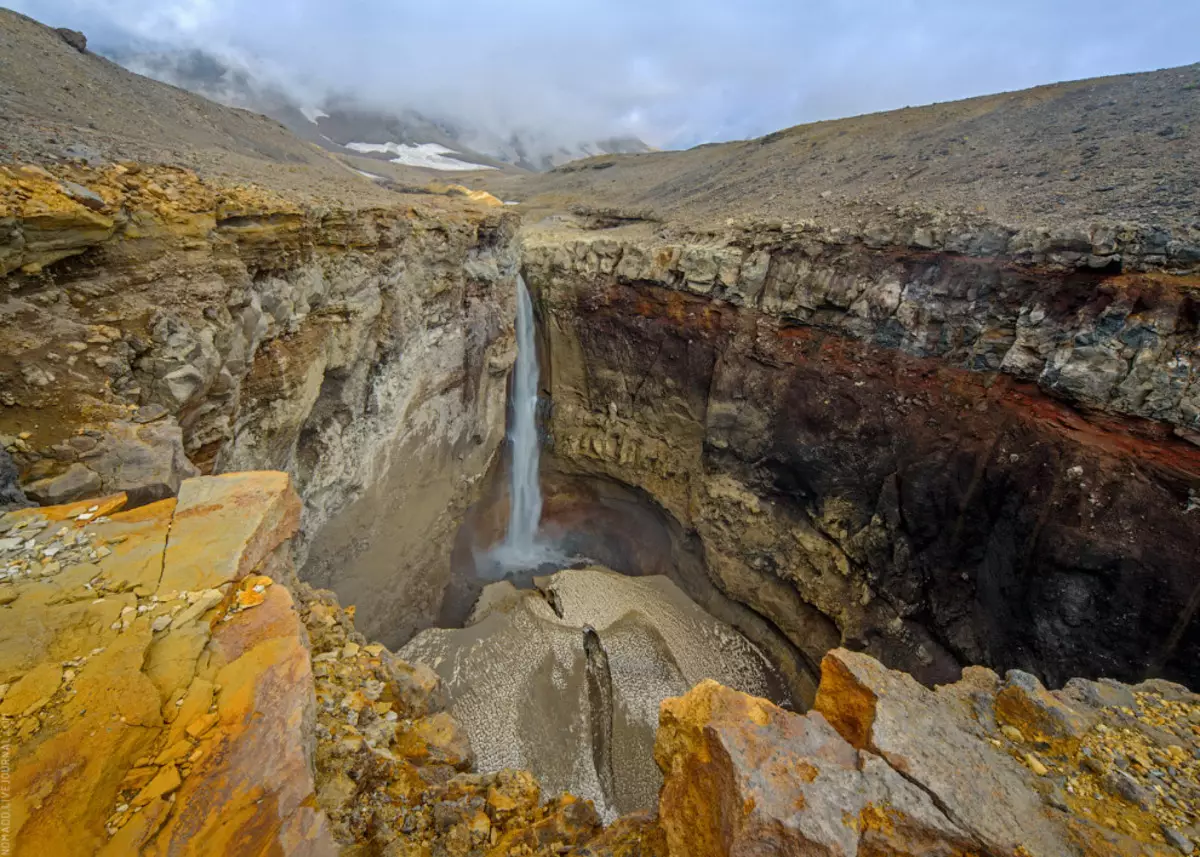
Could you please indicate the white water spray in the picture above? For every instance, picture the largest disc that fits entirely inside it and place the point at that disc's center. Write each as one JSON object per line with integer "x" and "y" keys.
{"x": 521, "y": 549}
{"x": 525, "y": 492}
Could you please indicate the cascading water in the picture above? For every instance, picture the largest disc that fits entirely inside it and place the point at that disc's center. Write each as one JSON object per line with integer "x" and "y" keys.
{"x": 521, "y": 549}
{"x": 526, "y": 493}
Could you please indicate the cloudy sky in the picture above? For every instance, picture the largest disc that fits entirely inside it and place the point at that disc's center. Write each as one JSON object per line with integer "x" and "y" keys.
{"x": 674, "y": 72}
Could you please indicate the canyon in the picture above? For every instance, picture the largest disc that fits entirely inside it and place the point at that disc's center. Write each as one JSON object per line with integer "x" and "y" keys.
{"x": 931, "y": 459}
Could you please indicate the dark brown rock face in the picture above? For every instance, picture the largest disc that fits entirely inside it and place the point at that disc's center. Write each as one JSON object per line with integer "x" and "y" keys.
{"x": 940, "y": 458}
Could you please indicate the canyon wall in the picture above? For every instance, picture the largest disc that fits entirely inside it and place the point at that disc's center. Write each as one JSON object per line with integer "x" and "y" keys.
{"x": 154, "y": 325}
{"x": 944, "y": 443}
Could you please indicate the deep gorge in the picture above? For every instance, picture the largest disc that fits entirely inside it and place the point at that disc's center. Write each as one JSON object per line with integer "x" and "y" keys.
{"x": 869, "y": 481}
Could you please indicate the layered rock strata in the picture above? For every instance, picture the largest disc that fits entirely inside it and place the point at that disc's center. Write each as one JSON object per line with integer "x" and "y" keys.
{"x": 939, "y": 440}
{"x": 153, "y": 323}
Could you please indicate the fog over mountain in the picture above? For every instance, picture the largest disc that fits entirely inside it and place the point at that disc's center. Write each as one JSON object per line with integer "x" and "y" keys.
{"x": 669, "y": 72}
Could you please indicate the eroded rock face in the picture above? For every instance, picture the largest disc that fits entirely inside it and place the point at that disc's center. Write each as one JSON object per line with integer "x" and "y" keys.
{"x": 153, "y": 321}
{"x": 941, "y": 449}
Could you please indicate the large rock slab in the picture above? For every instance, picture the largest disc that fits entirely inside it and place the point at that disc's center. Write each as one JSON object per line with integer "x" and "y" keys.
{"x": 1097, "y": 769}
{"x": 225, "y": 526}
{"x": 148, "y": 719}
{"x": 744, "y": 777}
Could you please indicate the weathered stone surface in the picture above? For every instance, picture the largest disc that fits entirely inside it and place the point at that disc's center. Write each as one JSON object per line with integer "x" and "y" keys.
{"x": 147, "y": 461}
{"x": 1015, "y": 766}
{"x": 225, "y": 526}
{"x": 252, "y": 788}
{"x": 75, "y": 483}
{"x": 11, "y": 495}
{"x": 743, "y": 777}
{"x": 122, "y": 720}
{"x": 983, "y": 790}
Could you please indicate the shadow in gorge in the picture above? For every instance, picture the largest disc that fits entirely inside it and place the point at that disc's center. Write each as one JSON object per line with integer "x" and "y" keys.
{"x": 595, "y": 520}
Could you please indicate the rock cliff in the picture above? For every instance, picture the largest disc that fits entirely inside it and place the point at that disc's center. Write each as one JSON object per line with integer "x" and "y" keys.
{"x": 938, "y": 440}
{"x": 155, "y": 325}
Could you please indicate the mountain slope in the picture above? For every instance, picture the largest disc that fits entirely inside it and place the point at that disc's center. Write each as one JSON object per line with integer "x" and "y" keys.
{"x": 336, "y": 121}
{"x": 1124, "y": 147}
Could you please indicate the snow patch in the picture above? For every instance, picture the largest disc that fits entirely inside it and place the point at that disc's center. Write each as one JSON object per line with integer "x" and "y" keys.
{"x": 312, "y": 114}
{"x": 430, "y": 156}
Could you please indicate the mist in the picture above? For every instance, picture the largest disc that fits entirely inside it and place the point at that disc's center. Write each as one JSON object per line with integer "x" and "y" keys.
{"x": 673, "y": 73}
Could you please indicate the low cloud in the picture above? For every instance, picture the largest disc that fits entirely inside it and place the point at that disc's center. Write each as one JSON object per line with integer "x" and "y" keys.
{"x": 674, "y": 73}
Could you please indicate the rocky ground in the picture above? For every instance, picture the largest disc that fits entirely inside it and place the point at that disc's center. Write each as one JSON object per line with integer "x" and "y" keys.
{"x": 900, "y": 385}
{"x": 1117, "y": 148}
{"x": 169, "y": 687}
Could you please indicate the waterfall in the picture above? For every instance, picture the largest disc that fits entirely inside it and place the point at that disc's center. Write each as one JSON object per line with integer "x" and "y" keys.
{"x": 522, "y": 550}
{"x": 525, "y": 493}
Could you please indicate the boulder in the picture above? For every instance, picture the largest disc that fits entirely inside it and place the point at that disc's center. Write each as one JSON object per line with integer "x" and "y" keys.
{"x": 75, "y": 483}
{"x": 11, "y": 495}
{"x": 744, "y": 777}
{"x": 147, "y": 462}
{"x": 74, "y": 38}
{"x": 934, "y": 743}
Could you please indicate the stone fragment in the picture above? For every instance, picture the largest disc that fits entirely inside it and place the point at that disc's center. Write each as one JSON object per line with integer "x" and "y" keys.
{"x": 11, "y": 495}
{"x": 77, "y": 482}
{"x": 1127, "y": 788}
{"x": 146, "y": 461}
{"x": 174, "y": 753}
{"x": 200, "y": 726}
{"x": 1178, "y": 841}
{"x": 74, "y": 38}
{"x": 205, "y": 601}
{"x": 37, "y": 685}
{"x": 1013, "y": 734}
{"x": 437, "y": 738}
{"x": 84, "y": 196}
{"x": 165, "y": 781}
{"x": 1025, "y": 704}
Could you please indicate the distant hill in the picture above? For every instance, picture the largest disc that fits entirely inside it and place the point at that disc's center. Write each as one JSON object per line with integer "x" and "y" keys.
{"x": 337, "y": 122}
{"x": 1116, "y": 148}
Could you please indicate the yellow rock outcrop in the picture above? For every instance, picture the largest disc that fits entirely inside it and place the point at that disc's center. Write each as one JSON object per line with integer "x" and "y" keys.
{"x": 151, "y": 711}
